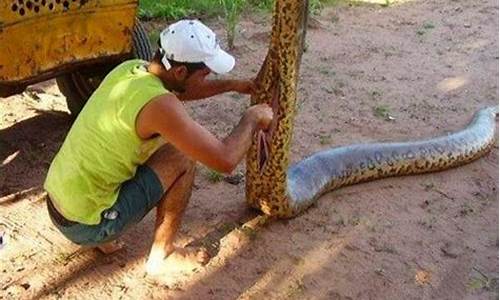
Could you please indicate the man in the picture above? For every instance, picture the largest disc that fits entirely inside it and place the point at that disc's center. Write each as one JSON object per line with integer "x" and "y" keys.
{"x": 112, "y": 168}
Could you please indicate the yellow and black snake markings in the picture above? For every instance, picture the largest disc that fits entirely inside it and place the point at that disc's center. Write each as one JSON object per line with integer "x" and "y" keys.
{"x": 278, "y": 190}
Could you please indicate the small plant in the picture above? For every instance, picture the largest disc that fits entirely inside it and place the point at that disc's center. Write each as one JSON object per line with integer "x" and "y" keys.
{"x": 483, "y": 282}
{"x": 232, "y": 12}
{"x": 325, "y": 139}
{"x": 381, "y": 111}
{"x": 315, "y": 7}
{"x": 426, "y": 27}
{"x": 386, "y": 3}
{"x": 214, "y": 176}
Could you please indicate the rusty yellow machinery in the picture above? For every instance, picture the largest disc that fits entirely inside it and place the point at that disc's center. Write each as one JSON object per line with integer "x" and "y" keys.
{"x": 75, "y": 41}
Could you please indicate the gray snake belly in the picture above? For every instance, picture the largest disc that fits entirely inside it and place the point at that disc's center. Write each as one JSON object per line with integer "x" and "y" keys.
{"x": 338, "y": 167}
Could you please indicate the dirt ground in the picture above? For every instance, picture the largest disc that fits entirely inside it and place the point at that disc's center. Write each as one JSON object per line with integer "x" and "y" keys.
{"x": 413, "y": 70}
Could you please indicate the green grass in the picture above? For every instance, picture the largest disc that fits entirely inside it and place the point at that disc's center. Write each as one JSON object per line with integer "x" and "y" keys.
{"x": 229, "y": 10}
{"x": 426, "y": 27}
{"x": 325, "y": 139}
{"x": 214, "y": 176}
{"x": 177, "y": 9}
{"x": 387, "y": 3}
{"x": 381, "y": 111}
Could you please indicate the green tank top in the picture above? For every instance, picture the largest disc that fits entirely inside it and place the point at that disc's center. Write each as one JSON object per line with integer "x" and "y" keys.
{"x": 102, "y": 149}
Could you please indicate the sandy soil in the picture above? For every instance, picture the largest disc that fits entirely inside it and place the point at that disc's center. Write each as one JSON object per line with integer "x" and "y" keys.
{"x": 427, "y": 64}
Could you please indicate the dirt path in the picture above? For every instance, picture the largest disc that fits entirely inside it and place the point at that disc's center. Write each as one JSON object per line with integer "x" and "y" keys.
{"x": 427, "y": 64}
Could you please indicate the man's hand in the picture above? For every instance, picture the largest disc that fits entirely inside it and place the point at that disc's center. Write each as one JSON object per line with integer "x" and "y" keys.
{"x": 262, "y": 114}
{"x": 244, "y": 87}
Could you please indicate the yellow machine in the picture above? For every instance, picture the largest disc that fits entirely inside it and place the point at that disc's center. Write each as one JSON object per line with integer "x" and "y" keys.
{"x": 76, "y": 41}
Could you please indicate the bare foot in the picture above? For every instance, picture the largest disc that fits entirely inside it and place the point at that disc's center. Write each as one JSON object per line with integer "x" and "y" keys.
{"x": 182, "y": 259}
{"x": 111, "y": 247}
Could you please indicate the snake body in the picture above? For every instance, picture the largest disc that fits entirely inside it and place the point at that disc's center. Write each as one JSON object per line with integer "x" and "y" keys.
{"x": 277, "y": 189}
{"x": 338, "y": 167}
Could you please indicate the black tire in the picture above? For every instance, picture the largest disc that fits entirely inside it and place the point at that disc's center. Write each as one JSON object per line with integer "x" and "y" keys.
{"x": 79, "y": 85}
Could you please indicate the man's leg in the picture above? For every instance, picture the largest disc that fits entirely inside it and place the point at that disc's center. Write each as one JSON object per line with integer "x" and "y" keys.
{"x": 176, "y": 173}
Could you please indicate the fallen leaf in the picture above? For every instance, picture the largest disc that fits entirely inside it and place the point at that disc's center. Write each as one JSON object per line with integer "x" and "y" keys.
{"x": 422, "y": 277}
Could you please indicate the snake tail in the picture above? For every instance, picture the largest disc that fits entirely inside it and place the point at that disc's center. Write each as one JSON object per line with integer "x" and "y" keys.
{"x": 338, "y": 167}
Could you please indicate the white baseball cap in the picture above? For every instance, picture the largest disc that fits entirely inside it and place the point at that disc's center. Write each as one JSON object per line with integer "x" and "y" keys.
{"x": 193, "y": 42}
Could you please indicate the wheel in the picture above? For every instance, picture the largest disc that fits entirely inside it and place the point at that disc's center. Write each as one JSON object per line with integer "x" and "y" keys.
{"x": 79, "y": 85}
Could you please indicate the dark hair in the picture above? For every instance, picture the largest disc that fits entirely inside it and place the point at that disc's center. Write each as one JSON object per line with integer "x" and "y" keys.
{"x": 191, "y": 67}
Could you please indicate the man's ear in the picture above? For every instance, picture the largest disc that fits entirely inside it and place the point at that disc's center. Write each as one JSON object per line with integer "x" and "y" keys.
{"x": 206, "y": 71}
{"x": 180, "y": 72}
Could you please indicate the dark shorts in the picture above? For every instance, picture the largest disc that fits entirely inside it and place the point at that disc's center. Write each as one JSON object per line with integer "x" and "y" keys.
{"x": 137, "y": 197}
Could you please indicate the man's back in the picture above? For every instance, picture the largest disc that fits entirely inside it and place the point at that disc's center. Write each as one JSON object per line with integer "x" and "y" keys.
{"x": 102, "y": 149}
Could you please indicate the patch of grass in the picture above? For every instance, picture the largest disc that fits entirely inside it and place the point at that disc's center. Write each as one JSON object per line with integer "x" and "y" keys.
{"x": 387, "y": 3}
{"x": 177, "y": 9}
{"x": 381, "y": 111}
{"x": 326, "y": 70}
{"x": 236, "y": 96}
{"x": 325, "y": 139}
{"x": 483, "y": 282}
{"x": 428, "y": 25}
{"x": 315, "y": 6}
{"x": 425, "y": 28}
{"x": 214, "y": 176}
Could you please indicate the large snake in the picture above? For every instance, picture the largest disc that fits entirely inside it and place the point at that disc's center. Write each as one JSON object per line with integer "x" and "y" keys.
{"x": 278, "y": 190}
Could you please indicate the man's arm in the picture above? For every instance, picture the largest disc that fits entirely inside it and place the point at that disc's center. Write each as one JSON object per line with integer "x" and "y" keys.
{"x": 197, "y": 87}
{"x": 166, "y": 116}
{"x": 211, "y": 88}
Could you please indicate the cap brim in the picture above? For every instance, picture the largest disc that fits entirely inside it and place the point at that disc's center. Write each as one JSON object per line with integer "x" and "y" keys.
{"x": 221, "y": 63}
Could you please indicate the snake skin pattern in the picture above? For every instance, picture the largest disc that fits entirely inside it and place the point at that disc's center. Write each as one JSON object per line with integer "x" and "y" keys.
{"x": 338, "y": 167}
{"x": 280, "y": 191}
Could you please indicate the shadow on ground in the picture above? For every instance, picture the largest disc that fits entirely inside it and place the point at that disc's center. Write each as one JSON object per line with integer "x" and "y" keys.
{"x": 27, "y": 148}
